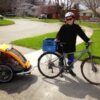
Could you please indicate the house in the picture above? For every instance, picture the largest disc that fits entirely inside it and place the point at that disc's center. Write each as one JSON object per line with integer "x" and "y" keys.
{"x": 27, "y": 9}
{"x": 50, "y": 10}
{"x": 19, "y": 7}
{"x": 53, "y": 12}
{"x": 87, "y": 14}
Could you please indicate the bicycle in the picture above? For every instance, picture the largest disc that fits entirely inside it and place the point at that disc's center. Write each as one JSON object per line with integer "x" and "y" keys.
{"x": 48, "y": 65}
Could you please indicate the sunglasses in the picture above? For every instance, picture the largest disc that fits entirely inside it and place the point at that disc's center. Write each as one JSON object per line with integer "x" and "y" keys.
{"x": 69, "y": 19}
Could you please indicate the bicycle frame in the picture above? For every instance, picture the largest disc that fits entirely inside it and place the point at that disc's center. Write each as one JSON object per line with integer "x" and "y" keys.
{"x": 83, "y": 52}
{"x": 53, "y": 64}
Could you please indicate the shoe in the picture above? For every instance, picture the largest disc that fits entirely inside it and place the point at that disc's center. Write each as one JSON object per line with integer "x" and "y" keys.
{"x": 72, "y": 73}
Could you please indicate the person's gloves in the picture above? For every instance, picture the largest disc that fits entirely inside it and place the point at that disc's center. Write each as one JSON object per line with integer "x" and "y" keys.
{"x": 88, "y": 43}
{"x": 57, "y": 40}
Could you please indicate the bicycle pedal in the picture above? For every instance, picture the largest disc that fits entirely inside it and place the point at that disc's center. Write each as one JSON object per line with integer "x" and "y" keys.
{"x": 67, "y": 71}
{"x": 61, "y": 75}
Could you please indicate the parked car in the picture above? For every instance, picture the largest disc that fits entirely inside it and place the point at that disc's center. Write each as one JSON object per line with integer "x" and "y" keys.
{"x": 1, "y": 17}
{"x": 12, "y": 62}
{"x": 42, "y": 16}
{"x": 9, "y": 14}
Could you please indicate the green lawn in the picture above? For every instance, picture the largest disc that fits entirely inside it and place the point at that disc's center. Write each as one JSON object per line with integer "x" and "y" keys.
{"x": 89, "y": 24}
{"x": 21, "y": 17}
{"x": 6, "y": 22}
{"x": 46, "y": 20}
{"x": 34, "y": 42}
{"x": 37, "y": 19}
{"x": 95, "y": 47}
{"x": 92, "y": 25}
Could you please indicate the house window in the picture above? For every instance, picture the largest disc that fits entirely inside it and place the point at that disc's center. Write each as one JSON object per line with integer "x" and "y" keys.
{"x": 84, "y": 14}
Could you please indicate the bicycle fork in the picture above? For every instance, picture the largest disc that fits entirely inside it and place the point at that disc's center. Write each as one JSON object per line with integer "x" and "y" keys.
{"x": 94, "y": 69}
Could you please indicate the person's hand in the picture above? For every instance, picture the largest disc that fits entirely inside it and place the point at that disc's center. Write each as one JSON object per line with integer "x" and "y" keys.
{"x": 88, "y": 43}
{"x": 56, "y": 40}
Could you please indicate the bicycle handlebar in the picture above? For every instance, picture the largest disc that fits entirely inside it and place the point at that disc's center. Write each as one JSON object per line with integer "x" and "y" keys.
{"x": 88, "y": 44}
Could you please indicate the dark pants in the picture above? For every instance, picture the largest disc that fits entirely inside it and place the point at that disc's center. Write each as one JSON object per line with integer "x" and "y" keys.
{"x": 70, "y": 56}
{"x": 70, "y": 59}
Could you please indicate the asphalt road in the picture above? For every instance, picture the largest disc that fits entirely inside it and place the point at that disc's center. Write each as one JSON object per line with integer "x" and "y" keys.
{"x": 25, "y": 28}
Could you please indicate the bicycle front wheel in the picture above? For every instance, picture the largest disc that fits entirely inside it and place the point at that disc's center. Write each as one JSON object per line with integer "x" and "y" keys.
{"x": 90, "y": 69}
{"x": 48, "y": 65}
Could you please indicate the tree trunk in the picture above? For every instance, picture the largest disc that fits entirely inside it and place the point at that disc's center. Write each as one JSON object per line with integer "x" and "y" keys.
{"x": 96, "y": 13}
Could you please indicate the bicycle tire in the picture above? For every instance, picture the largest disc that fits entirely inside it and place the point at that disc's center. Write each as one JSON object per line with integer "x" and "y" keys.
{"x": 91, "y": 71}
{"x": 6, "y": 73}
{"x": 51, "y": 64}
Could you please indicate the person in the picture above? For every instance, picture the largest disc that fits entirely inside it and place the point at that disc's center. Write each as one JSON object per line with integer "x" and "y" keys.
{"x": 67, "y": 35}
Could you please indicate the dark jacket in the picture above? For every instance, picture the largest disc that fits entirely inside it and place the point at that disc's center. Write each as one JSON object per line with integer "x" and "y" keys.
{"x": 68, "y": 34}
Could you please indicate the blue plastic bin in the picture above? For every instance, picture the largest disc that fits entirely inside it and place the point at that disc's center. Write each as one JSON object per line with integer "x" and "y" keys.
{"x": 49, "y": 45}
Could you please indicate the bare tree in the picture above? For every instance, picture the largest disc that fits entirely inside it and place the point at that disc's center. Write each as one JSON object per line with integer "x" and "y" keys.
{"x": 9, "y": 5}
{"x": 5, "y": 5}
{"x": 69, "y": 4}
{"x": 64, "y": 5}
{"x": 93, "y": 5}
{"x": 14, "y": 6}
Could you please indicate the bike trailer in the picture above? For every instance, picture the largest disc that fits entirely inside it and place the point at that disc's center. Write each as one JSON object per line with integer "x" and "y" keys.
{"x": 12, "y": 62}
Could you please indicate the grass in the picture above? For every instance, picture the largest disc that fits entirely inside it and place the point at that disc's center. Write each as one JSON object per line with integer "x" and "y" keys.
{"x": 89, "y": 24}
{"x": 92, "y": 25}
{"x": 46, "y": 20}
{"x": 34, "y": 42}
{"x": 21, "y": 17}
{"x": 6, "y": 22}
{"x": 36, "y": 19}
{"x": 95, "y": 47}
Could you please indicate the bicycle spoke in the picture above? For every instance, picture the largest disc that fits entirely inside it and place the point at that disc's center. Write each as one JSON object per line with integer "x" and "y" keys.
{"x": 49, "y": 65}
{"x": 91, "y": 70}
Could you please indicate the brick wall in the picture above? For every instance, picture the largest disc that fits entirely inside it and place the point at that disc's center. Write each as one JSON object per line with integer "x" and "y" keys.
{"x": 85, "y": 17}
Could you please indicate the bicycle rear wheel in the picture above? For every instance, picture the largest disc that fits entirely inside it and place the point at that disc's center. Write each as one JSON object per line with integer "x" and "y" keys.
{"x": 90, "y": 69}
{"x": 48, "y": 65}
